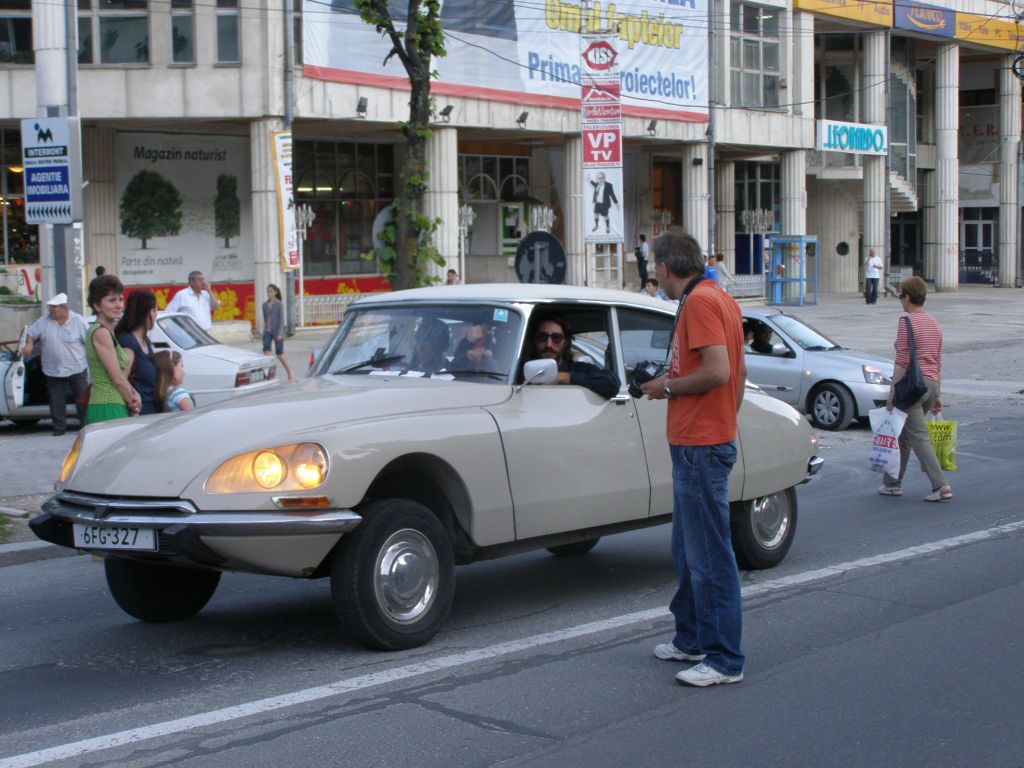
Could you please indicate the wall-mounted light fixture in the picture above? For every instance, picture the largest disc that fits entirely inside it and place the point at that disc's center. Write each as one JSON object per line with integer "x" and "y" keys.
{"x": 521, "y": 120}
{"x": 446, "y": 113}
{"x": 652, "y": 128}
{"x": 361, "y": 106}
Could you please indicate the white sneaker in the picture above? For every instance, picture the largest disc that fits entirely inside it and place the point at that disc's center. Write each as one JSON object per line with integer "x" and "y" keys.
{"x": 669, "y": 652}
{"x": 702, "y": 676}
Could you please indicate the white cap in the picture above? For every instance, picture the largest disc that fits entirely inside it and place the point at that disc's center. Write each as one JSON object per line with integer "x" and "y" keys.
{"x": 56, "y": 301}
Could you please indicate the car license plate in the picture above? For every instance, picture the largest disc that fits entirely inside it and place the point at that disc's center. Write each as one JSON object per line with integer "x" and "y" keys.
{"x": 257, "y": 374}
{"x": 114, "y": 537}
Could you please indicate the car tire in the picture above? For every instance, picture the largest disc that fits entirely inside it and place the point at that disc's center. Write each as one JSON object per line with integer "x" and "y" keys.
{"x": 157, "y": 593}
{"x": 763, "y": 529}
{"x": 25, "y": 422}
{"x": 575, "y": 549}
{"x": 393, "y": 577}
{"x": 831, "y": 407}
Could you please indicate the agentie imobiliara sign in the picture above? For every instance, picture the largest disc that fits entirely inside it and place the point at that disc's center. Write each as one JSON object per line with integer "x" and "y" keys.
{"x": 855, "y": 138}
{"x": 52, "y": 157}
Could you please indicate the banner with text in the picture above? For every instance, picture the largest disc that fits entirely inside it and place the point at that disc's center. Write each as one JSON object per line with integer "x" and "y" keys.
{"x": 286, "y": 224}
{"x": 601, "y": 123}
{"x": 519, "y": 52}
{"x": 184, "y": 203}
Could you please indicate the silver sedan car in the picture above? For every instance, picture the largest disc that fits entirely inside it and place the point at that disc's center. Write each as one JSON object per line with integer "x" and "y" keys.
{"x": 799, "y": 365}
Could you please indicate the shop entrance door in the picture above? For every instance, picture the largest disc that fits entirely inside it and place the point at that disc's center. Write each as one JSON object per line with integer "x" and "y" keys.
{"x": 977, "y": 255}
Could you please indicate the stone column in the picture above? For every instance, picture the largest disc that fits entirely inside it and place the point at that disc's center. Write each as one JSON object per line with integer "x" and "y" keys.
{"x": 947, "y": 173}
{"x": 873, "y": 111}
{"x": 722, "y": 21}
{"x": 794, "y": 198}
{"x": 266, "y": 238}
{"x": 441, "y": 200}
{"x": 1009, "y": 144}
{"x": 725, "y": 213}
{"x": 101, "y": 203}
{"x": 801, "y": 89}
{"x": 574, "y": 207}
{"x": 695, "y": 193}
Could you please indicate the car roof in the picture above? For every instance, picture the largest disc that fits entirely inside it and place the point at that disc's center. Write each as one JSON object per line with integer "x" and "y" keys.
{"x": 519, "y": 292}
{"x": 760, "y": 312}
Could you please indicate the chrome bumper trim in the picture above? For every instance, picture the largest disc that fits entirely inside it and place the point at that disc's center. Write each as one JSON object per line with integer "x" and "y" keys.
{"x": 814, "y": 466}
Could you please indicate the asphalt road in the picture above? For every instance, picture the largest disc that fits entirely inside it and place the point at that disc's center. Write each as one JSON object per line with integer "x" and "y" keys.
{"x": 865, "y": 648}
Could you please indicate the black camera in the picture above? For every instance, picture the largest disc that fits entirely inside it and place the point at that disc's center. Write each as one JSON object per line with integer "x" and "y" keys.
{"x": 641, "y": 373}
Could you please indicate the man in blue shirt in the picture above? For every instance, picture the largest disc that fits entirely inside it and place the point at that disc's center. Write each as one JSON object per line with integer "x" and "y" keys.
{"x": 62, "y": 334}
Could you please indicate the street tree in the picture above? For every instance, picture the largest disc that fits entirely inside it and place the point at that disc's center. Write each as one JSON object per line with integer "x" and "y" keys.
{"x": 227, "y": 209}
{"x": 408, "y": 239}
{"x": 150, "y": 207}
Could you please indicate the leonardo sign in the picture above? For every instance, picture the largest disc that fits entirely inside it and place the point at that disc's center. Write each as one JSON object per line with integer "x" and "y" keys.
{"x": 854, "y": 138}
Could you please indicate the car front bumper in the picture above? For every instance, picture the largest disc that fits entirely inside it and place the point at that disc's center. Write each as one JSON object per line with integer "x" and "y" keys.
{"x": 868, "y": 396}
{"x": 217, "y": 539}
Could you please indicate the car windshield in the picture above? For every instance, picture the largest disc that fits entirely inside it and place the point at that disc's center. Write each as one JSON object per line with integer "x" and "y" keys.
{"x": 185, "y": 332}
{"x": 803, "y": 334}
{"x": 470, "y": 342}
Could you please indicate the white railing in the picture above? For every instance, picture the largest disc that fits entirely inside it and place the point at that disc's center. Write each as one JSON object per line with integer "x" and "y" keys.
{"x": 327, "y": 309}
{"x": 746, "y": 286}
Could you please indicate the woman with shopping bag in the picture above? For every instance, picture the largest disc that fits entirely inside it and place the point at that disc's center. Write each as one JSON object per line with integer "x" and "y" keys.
{"x": 918, "y": 339}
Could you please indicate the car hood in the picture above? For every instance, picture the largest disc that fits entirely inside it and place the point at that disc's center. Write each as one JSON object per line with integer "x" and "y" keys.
{"x": 851, "y": 358}
{"x": 241, "y": 357}
{"x": 158, "y": 456}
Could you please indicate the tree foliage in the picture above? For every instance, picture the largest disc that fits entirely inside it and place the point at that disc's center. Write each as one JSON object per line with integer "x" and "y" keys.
{"x": 150, "y": 207}
{"x": 415, "y": 39}
{"x": 227, "y": 209}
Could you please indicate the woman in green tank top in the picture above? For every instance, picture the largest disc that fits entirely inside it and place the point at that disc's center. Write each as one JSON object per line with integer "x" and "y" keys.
{"x": 111, "y": 396}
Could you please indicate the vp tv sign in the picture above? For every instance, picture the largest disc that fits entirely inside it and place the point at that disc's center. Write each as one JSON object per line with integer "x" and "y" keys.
{"x": 602, "y": 147}
{"x": 51, "y": 154}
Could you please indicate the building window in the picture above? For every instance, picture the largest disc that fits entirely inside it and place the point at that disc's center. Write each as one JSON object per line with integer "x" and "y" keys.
{"x": 491, "y": 177}
{"x": 19, "y": 242}
{"x": 758, "y": 187}
{"x": 347, "y": 185}
{"x": 119, "y": 27}
{"x": 228, "y": 40}
{"x": 16, "y": 32}
{"x": 756, "y": 56}
{"x": 297, "y": 37}
{"x": 183, "y": 32}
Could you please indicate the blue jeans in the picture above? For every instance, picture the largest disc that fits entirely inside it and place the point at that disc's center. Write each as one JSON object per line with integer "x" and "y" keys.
{"x": 707, "y": 605}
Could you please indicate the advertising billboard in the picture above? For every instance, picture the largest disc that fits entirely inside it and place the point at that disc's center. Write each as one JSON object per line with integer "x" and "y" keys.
{"x": 527, "y": 53}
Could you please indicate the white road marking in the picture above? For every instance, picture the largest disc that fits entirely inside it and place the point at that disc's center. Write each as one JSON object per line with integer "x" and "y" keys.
{"x": 466, "y": 658}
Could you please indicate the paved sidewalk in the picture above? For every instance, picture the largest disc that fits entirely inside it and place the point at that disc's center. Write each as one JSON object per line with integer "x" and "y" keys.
{"x": 983, "y": 363}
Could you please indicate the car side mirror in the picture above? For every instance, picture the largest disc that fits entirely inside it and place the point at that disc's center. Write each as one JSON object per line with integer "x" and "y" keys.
{"x": 780, "y": 350}
{"x": 540, "y": 371}
{"x": 22, "y": 339}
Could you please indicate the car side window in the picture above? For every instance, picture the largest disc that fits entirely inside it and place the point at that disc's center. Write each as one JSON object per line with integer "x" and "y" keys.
{"x": 761, "y": 339}
{"x": 643, "y": 336}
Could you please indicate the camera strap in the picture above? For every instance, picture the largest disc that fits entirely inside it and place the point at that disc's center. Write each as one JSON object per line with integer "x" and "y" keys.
{"x": 682, "y": 300}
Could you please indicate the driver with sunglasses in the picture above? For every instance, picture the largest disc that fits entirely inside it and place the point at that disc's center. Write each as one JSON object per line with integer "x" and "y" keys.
{"x": 553, "y": 339}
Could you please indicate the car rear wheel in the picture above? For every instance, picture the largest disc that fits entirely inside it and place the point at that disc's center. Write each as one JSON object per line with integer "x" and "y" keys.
{"x": 832, "y": 407}
{"x": 763, "y": 529}
{"x": 574, "y": 549}
{"x": 25, "y": 422}
{"x": 393, "y": 577}
{"x": 157, "y": 593}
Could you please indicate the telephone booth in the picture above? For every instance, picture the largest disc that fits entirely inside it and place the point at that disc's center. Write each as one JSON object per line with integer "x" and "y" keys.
{"x": 792, "y": 270}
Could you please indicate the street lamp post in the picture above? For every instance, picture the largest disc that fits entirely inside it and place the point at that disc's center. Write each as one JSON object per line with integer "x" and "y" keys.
{"x": 304, "y": 218}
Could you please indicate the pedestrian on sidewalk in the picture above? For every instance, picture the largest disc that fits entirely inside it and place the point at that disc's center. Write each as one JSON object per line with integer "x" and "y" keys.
{"x": 928, "y": 349}
{"x": 642, "y": 253}
{"x": 704, "y": 388}
{"x": 873, "y": 267}
{"x": 273, "y": 327}
{"x": 62, "y": 335}
{"x": 111, "y": 395}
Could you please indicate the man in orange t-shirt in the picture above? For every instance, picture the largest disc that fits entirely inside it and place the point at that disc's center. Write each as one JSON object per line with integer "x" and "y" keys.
{"x": 704, "y": 387}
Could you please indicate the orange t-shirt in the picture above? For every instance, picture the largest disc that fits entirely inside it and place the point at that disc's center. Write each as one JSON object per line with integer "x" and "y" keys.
{"x": 710, "y": 316}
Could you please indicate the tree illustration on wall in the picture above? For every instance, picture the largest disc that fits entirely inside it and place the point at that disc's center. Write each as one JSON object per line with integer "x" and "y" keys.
{"x": 150, "y": 207}
{"x": 227, "y": 208}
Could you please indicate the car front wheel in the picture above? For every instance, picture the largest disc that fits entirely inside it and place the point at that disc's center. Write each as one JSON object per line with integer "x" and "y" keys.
{"x": 763, "y": 529}
{"x": 158, "y": 593}
{"x": 832, "y": 407}
{"x": 393, "y": 577}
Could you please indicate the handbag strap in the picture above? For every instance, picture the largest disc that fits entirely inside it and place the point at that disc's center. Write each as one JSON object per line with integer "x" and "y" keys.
{"x": 910, "y": 337}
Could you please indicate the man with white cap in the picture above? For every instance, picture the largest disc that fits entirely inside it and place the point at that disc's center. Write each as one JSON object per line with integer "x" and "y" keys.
{"x": 62, "y": 334}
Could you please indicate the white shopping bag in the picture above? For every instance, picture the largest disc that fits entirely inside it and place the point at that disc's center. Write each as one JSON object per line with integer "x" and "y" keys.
{"x": 885, "y": 449}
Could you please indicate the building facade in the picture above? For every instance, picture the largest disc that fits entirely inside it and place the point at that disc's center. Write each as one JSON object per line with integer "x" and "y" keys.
{"x": 770, "y": 123}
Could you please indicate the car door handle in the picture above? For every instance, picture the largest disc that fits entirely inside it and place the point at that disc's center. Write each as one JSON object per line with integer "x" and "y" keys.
{"x": 621, "y": 399}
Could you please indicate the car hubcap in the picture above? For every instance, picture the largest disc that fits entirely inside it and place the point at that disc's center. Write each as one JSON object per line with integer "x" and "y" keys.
{"x": 826, "y": 407}
{"x": 405, "y": 579}
{"x": 771, "y": 519}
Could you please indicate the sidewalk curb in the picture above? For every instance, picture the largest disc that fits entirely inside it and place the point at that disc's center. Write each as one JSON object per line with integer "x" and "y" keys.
{"x": 24, "y": 552}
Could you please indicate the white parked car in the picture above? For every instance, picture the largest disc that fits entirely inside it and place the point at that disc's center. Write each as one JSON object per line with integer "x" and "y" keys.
{"x": 213, "y": 371}
{"x": 801, "y": 366}
{"x": 382, "y": 472}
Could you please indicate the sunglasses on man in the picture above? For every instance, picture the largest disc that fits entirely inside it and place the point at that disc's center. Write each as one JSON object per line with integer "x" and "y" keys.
{"x": 541, "y": 337}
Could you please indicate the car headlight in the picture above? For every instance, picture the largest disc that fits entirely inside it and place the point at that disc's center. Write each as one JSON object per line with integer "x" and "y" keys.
{"x": 874, "y": 375}
{"x": 70, "y": 460}
{"x": 282, "y": 468}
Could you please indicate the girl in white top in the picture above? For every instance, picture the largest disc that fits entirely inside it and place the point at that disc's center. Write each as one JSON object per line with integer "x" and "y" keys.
{"x": 170, "y": 375}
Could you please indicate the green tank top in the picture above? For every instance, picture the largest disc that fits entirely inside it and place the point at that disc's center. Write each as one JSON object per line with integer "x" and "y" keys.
{"x": 103, "y": 390}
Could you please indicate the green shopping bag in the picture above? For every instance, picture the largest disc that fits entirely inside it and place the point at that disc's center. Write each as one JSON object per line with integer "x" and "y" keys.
{"x": 942, "y": 434}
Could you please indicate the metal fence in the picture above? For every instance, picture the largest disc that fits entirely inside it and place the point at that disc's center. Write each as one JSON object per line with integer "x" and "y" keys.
{"x": 746, "y": 287}
{"x": 326, "y": 309}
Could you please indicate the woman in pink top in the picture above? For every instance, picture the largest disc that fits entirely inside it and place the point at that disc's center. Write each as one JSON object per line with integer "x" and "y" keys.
{"x": 928, "y": 348}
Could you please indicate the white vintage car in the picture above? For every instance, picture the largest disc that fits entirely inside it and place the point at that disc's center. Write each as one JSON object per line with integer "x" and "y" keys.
{"x": 213, "y": 371}
{"x": 382, "y": 471}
